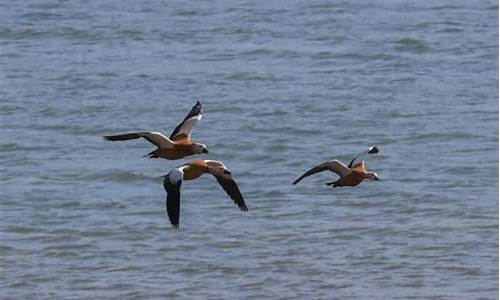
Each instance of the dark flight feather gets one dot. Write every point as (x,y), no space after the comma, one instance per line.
(196,110)
(173,201)
(231,188)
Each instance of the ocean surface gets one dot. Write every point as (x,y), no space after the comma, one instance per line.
(284,85)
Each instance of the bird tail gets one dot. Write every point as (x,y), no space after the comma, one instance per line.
(151,154)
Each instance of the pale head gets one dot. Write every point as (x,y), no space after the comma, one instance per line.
(372,176)
(199,148)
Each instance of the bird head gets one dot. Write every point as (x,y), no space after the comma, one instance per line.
(200,148)
(373,176)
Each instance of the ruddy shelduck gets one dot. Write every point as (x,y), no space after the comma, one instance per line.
(173,180)
(179,144)
(350,175)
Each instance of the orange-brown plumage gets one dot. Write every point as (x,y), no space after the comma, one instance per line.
(178,145)
(193,170)
(351,175)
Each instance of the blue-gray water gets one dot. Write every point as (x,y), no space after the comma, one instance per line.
(285,85)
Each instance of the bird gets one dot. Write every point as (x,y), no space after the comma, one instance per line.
(173,180)
(178,145)
(350,175)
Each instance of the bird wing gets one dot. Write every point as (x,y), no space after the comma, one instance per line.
(332,165)
(226,181)
(359,159)
(156,138)
(183,130)
(215,163)
(172,184)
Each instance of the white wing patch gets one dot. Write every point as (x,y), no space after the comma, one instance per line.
(359,159)
(188,126)
(176,175)
(158,139)
(337,167)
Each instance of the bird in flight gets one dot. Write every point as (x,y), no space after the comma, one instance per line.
(178,145)
(350,175)
(173,180)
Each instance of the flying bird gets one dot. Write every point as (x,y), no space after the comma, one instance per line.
(350,175)
(178,145)
(173,180)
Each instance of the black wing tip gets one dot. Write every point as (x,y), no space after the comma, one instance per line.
(197,108)
(373,150)
(175,226)
(112,137)
(232,190)
(123,137)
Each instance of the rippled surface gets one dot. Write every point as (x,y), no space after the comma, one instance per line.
(284,85)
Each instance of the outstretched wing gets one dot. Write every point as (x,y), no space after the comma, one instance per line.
(216,163)
(226,181)
(183,130)
(331,165)
(231,188)
(156,138)
(359,159)
(172,184)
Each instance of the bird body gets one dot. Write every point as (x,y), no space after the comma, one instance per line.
(179,150)
(194,169)
(352,179)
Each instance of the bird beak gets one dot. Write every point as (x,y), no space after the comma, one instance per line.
(205,150)
(376,178)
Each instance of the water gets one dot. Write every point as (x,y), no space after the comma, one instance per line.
(285,85)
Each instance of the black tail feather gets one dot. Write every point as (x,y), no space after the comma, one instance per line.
(151,154)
